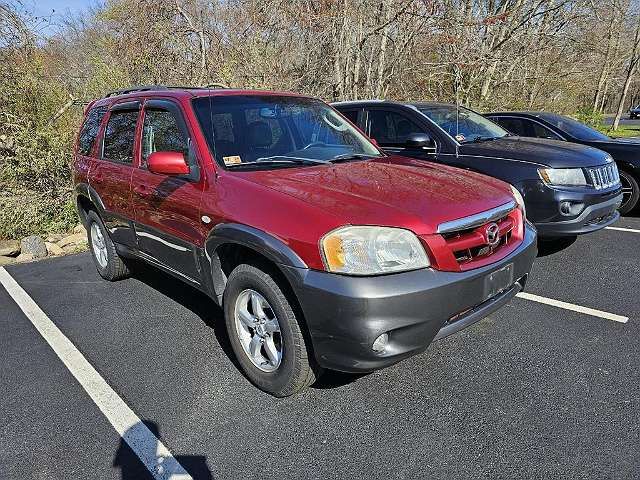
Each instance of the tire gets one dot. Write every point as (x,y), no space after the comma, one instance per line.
(110,266)
(295,370)
(630,191)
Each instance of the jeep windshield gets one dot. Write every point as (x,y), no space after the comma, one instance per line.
(269,131)
(462,124)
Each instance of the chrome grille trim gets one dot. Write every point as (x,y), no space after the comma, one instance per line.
(605,176)
(476,220)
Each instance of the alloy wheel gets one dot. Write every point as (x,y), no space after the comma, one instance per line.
(99,245)
(258,330)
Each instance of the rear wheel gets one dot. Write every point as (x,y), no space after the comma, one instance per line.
(265,333)
(630,192)
(108,263)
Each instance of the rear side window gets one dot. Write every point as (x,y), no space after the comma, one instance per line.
(119,136)
(89,130)
(513,125)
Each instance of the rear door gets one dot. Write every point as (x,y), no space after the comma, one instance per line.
(110,175)
(168,224)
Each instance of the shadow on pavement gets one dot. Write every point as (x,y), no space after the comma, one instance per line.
(549,247)
(190,298)
(212,316)
(132,467)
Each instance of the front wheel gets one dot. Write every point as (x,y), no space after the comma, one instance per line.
(265,333)
(630,192)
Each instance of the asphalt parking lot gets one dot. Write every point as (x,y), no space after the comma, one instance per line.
(533,391)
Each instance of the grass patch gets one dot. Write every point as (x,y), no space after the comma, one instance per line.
(623,131)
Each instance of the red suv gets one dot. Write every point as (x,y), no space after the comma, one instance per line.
(323,251)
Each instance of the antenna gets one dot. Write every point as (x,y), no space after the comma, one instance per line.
(456,86)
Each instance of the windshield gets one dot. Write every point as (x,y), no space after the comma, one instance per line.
(463,124)
(573,128)
(269,131)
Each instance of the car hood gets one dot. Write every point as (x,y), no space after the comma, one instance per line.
(390,191)
(550,153)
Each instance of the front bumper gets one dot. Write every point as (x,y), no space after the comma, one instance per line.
(593,217)
(346,314)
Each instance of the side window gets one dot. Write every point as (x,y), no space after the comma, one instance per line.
(541,131)
(352,115)
(513,125)
(89,130)
(120,135)
(390,128)
(161,133)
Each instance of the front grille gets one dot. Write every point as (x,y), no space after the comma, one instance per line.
(605,176)
(471,244)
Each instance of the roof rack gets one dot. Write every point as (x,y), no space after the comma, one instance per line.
(146,88)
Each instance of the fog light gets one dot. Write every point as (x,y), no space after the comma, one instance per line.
(380,343)
(571,209)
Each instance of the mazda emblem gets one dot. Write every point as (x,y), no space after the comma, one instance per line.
(493,234)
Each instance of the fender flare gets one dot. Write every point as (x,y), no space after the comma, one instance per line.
(259,241)
(85,190)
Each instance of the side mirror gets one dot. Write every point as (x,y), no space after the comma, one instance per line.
(167,163)
(419,140)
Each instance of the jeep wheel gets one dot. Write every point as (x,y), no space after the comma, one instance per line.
(630,192)
(265,334)
(108,263)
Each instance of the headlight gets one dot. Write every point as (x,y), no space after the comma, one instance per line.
(372,251)
(518,196)
(562,176)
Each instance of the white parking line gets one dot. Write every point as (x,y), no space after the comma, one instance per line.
(151,451)
(576,308)
(621,229)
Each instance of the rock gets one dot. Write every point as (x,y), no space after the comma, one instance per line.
(9,248)
(25,257)
(75,239)
(6,261)
(79,229)
(34,246)
(54,249)
(54,238)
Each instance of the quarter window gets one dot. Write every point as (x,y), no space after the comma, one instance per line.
(120,135)
(89,130)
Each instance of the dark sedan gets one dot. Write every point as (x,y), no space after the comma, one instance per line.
(626,152)
(568,189)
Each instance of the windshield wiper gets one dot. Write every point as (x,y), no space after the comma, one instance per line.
(279,159)
(482,139)
(352,156)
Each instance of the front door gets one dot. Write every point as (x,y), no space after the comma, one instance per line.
(168,224)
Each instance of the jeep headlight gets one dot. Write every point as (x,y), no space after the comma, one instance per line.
(518,197)
(360,250)
(563,176)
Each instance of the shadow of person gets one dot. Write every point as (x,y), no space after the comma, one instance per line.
(141,456)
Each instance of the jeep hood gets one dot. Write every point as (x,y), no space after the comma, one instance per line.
(550,153)
(390,191)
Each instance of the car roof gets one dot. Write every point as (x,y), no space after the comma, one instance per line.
(357,103)
(134,93)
